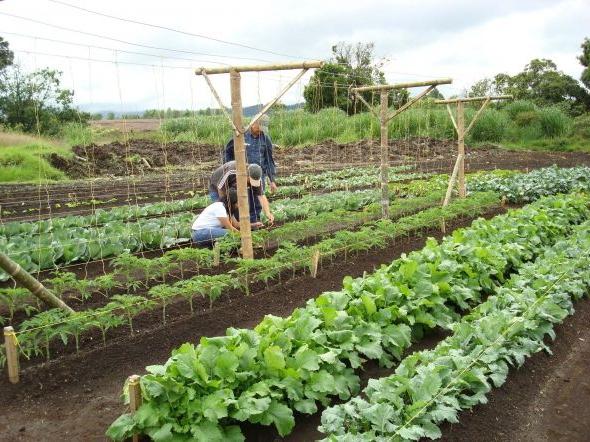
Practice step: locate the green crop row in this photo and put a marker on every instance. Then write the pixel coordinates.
(64, 245)
(431, 387)
(291, 364)
(527, 187)
(36, 334)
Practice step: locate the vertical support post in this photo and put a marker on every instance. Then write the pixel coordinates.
(241, 172)
(461, 146)
(134, 397)
(384, 155)
(11, 355)
(216, 254)
(315, 260)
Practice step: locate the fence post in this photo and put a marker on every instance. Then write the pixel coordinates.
(11, 355)
(315, 259)
(134, 397)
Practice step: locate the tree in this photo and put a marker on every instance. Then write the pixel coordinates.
(6, 55)
(35, 102)
(540, 82)
(351, 65)
(585, 60)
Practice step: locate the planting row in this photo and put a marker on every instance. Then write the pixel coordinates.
(38, 333)
(64, 245)
(523, 188)
(131, 272)
(308, 358)
(431, 387)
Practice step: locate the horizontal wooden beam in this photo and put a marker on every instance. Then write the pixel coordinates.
(464, 99)
(386, 87)
(261, 67)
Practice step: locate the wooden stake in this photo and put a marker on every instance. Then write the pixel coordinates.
(315, 260)
(461, 147)
(11, 355)
(443, 226)
(241, 172)
(388, 87)
(134, 397)
(384, 155)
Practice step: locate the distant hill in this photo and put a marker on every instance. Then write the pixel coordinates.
(249, 111)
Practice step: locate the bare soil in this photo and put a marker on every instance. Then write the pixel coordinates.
(77, 395)
(143, 171)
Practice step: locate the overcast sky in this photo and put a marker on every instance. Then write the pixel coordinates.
(464, 39)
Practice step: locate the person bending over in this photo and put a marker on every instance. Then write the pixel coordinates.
(215, 221)
(224, 178)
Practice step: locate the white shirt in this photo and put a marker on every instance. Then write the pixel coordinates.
(209, 217)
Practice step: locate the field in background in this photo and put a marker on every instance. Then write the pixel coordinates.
(519, 125)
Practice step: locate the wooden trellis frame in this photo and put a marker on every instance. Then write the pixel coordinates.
(384, 117)
(236, 120)
(458, 174)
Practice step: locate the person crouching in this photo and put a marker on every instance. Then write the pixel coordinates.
(215, 221)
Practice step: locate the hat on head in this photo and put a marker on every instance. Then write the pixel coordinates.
(255, 174)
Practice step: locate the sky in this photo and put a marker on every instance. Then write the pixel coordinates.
(418, 40)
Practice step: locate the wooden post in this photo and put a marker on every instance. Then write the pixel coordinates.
(461, 147)
(241, 172)
(134, 397)
(452, 180)
(315, 260)
(24, 278)
(384, 155)
(11, 355)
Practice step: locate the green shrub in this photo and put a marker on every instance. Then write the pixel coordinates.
(581, 126)
(554, 122)
(519, 106)
(526, 118)
(491, 126)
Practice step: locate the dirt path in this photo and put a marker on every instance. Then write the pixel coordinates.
(545, 400)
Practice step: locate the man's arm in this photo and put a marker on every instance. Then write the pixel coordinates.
(229, 151)
(266, 208)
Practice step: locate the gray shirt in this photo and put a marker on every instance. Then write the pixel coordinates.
(224, 177)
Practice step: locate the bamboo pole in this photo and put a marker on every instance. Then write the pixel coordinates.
(11, 355)
(384, 155)
(411, 102)
(461, 147)
(24, 278)
(134, 397)
(218, 99)
(241, 173)
(468, 99)
(476, 116)
(452, 180)
(387, 87)
(452, 117)
(260, 68)
(371, 109)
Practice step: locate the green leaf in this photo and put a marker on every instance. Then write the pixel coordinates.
(307, 359)
(208, 431)
(226, 365)
(281, 416)
(162, 434)
(122, 428)
(306, 406)
(322, 381)
(274, 358)
(369, 304)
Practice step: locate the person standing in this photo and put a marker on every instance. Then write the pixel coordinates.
(259, 150)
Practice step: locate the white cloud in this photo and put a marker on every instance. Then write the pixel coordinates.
(466, 40)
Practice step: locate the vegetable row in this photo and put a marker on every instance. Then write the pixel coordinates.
(431, 387)
(283, 365)
(38, 333)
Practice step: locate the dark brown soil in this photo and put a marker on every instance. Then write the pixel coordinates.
(77, 396)
(121, 176)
